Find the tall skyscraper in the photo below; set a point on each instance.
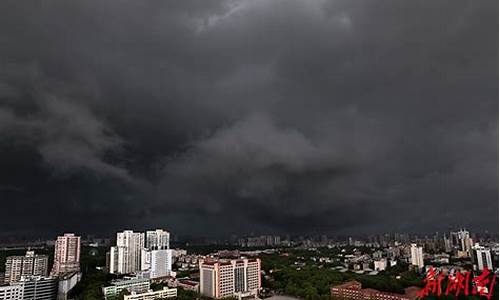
(226, 278)
(417, 256)
(66, 254)
(27, 265)
(481, 258)
(125, 257)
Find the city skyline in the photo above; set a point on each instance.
(231, 117)
(143, 266)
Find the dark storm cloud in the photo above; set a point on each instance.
(272, 115)
(65, 134)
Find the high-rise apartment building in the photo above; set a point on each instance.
(158, 239)
(27, 265)
(157, 262)
(417, 256)
(66, 254)
(157, 256)
(225, 278)
(481, 258)
(126, 256)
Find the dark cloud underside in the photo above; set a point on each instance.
(241, 116)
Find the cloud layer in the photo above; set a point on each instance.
(248, 116)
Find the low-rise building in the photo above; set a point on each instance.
(189, 285)
(39, 288)
(166, 292)
(137, 285)
(30, 288)
(352, 290)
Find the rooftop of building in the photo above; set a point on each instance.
(29, 253)
(410, 292)
(68, 275)
(36, 278)
(353, 284)
(128, 280)
(189, 282)
(224, 261)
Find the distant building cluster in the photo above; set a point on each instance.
(377, 253)
(146, 258)
(261, 241)
(141, 261)
(26, 276)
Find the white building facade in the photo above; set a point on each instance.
(417, 256)
(482, 258)
(380, 264)
(166, 292)
(11, 292)
(126, 256)
(157, 256)
(158, 239)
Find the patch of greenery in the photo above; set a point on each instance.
(93, 280)
(312, 280)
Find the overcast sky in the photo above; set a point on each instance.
(218, 117)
